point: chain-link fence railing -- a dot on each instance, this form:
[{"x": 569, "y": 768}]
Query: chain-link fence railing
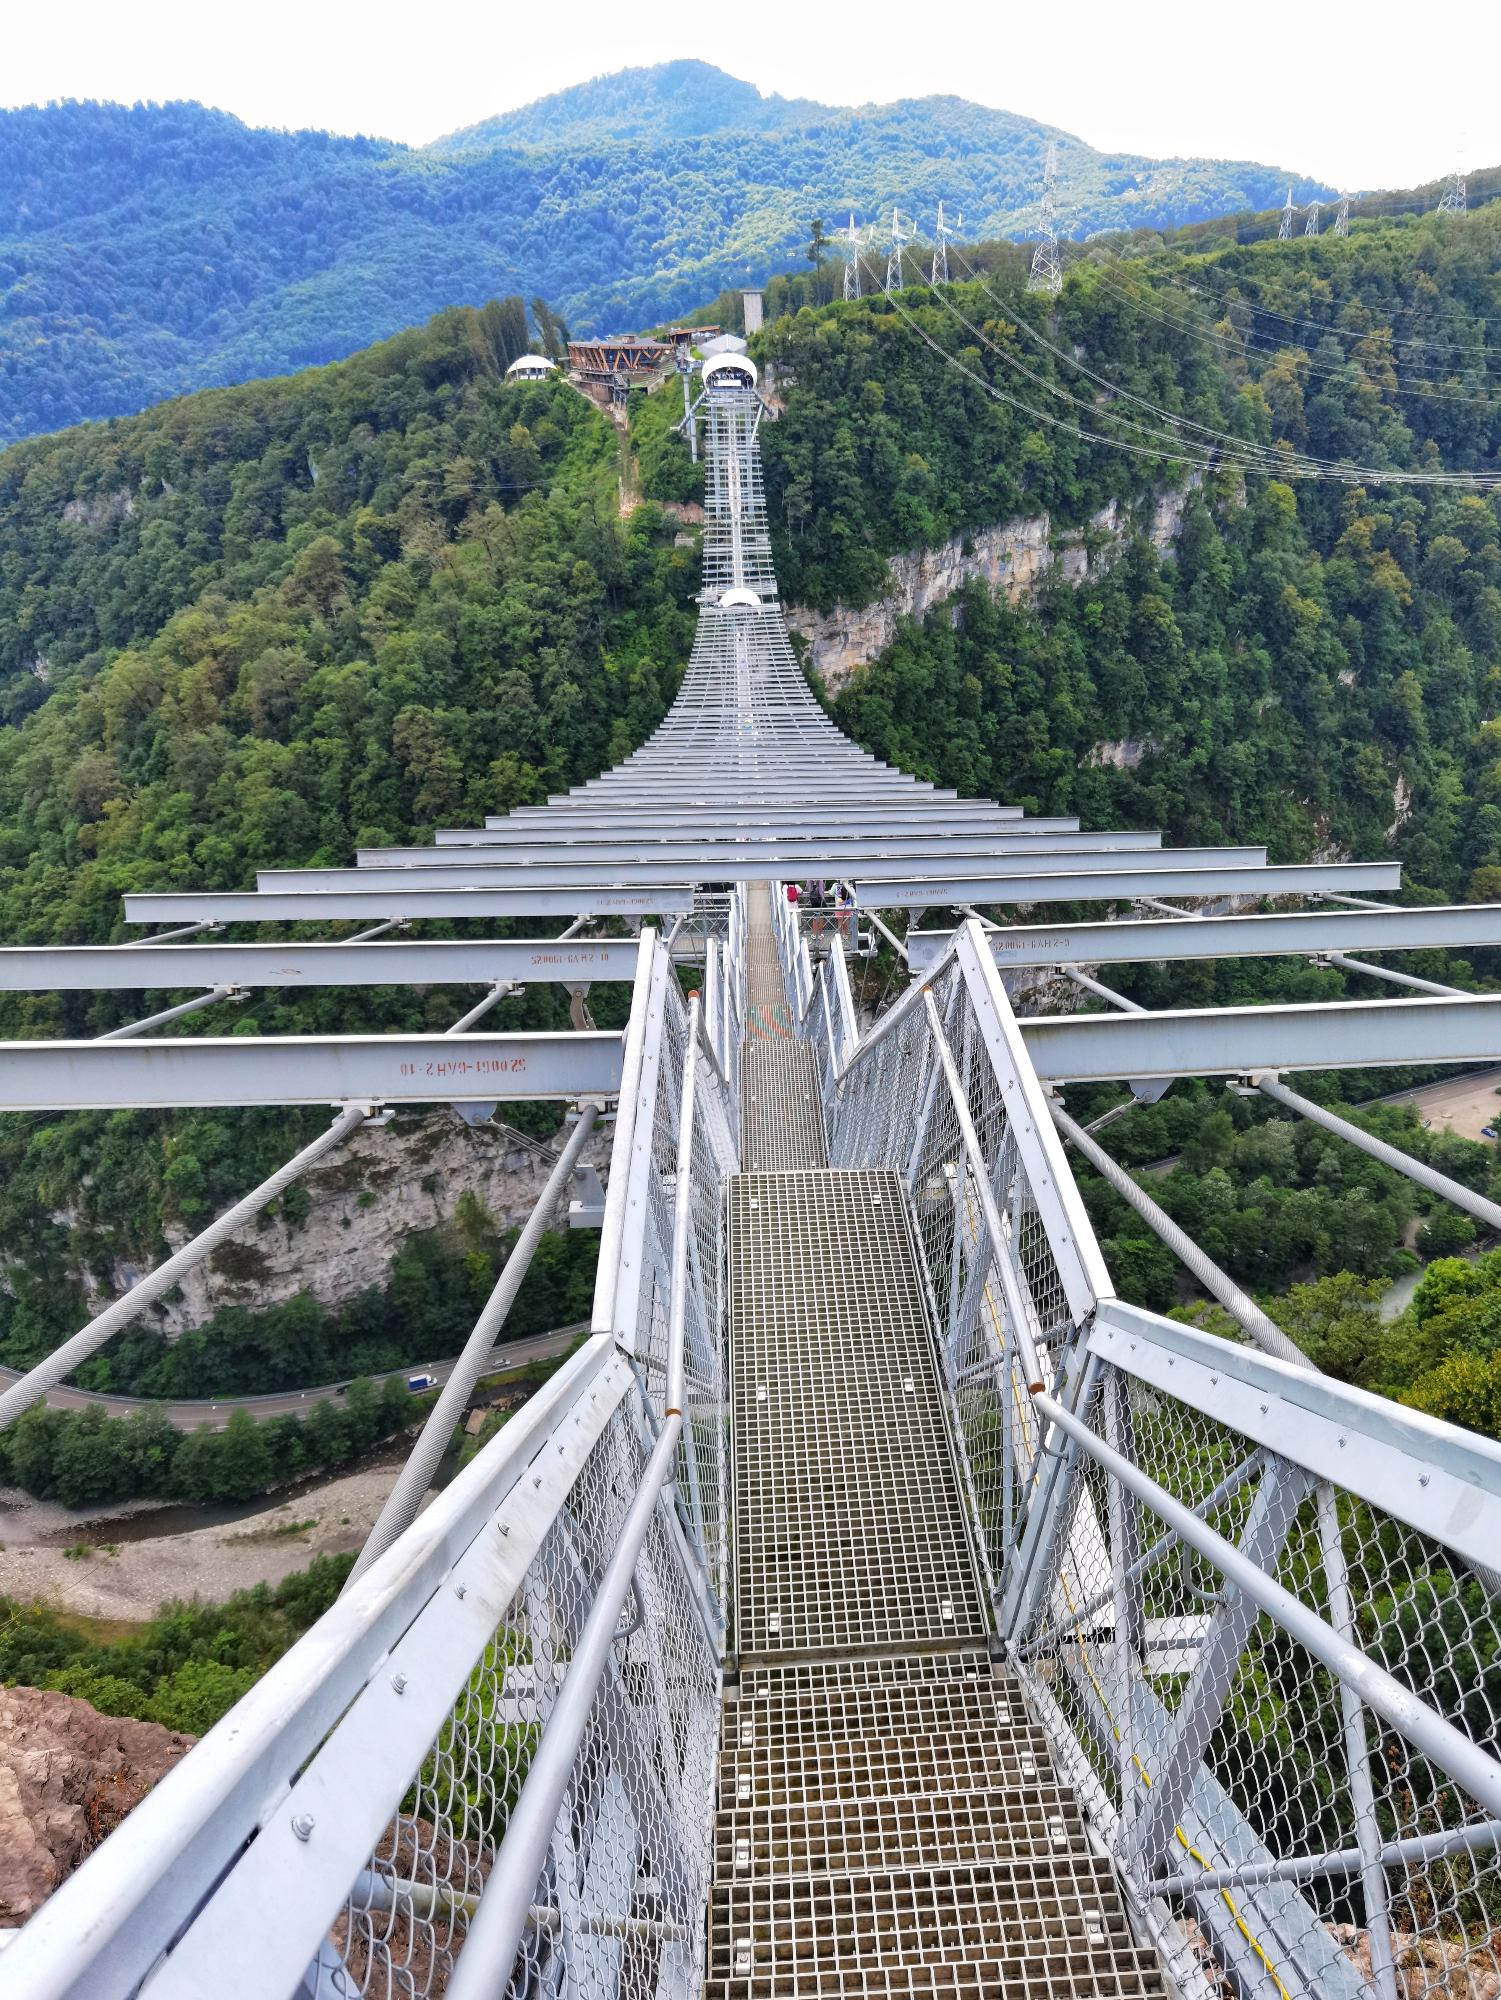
[{"x": 1278, "y": 1695}]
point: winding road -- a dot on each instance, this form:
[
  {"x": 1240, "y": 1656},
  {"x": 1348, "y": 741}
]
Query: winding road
[{"x": 196, "y": 1413}]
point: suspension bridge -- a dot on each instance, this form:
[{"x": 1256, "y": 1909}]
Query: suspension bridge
[{"x": 876, "y": 1603}]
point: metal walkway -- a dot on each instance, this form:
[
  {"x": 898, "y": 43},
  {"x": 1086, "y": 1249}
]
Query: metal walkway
[
  {"x": 889, "y": 1819},
  {"x": 783, "y": 1111}
]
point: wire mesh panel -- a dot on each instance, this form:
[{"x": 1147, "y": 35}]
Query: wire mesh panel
[
  {"x": 654, "y": 1188},
  {"x": 619, "y": 1906},
  {"x": 1307, "y": 1845},
  {"x": 935, "y": 1095}
]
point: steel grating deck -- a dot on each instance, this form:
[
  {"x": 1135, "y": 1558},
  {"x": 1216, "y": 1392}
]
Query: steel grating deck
[
  {"x": 889, "y": 1818},
  {"x": 783, "y": 1106}
]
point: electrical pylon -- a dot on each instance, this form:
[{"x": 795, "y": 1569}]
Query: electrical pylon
[
  {"x": 851, "y": 237},
  {"x": 1455, "y": 198},
  {"x": 939, "y": 273},
  {"x": 1311, "y": 226},
  {"x": 1285, "y": 226},
  {"x": 899, "y": 241},
  {"x": 1342, "y": 217},
  {"x": 1047, "y": 267}
]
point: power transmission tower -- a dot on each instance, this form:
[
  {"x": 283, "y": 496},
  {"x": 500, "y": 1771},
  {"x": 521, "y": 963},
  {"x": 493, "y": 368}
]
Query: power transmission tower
[
  {"x": 939, "y": 275},
  {"x": 1455, "y": 198},
  {"x": 1311, "y": 226},
  {"x": 899, "y": 241},
  {"x": 1342, "y": 216},
  {"x": 852, "y": 237},
  {"x": 1285, "y": 226},
  {"x": 1047, "y": 267}
]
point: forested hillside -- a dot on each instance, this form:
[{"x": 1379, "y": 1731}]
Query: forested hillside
[
  {"x": 1313, "y": 663},
  {"x": 151, "y": 249},
  {"x": 269, "y": 623}
]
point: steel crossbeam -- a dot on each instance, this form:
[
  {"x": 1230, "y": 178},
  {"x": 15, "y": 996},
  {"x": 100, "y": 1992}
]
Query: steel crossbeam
[
  {"x": 239, "y": 1070},
  {"x": 744, "y": 864},
  {"x": 1165, "y": 876},
  {"x": 714, "y": 829},
  {"x": 700, "y": 817},
  {"x": 1154, "y": 941},
  {"x": 297, "y": 906},
  {"x": 1239, "y": 1041},
  {"x": 92, "y": 968},
  {"x": 729, "y": 854}
]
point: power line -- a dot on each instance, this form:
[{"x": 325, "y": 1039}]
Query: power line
[
  {"x": 1266, "y": 461},
  {"x": 1228, "y": 447},
  {"x": 1425, "y": 388}
]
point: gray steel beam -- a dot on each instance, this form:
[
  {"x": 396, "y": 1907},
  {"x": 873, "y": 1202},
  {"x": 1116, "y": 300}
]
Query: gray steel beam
[
  {"x": 1308, "y": 932},
  {"x": 727, "y": 855},
  {"x": 735, "y": 816},
  {"x": 743, "y": 865},
  {"x": 318, "y": 906},
  {"x": 1238, "y": 1041},
  {"x": 312, "y": 1069},
  {"x": 1167, "y": 877},
  {"x": 89, "y": 968}
]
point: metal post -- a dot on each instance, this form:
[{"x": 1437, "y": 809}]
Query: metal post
[
  {"x": 1357, "y": 1755},
  {"x": 58, "y": 1365},
  {"x": 208, "y": 999},
  {"x": 1100, "y": 990},
  {"x": 1243, "y": 1309},
  {"x": 494, "y": 1936},
  {"x": 184, "y": 930},
  {"x": 612, "y": 1227},
  {"x": 1385, "y": 972},
  {"x": 478, "y": 1012},
  {"x": 1488, "y": 1212},
  {"x": 1000, "y": 1249},
  {"x": 416, "y": 1475}
]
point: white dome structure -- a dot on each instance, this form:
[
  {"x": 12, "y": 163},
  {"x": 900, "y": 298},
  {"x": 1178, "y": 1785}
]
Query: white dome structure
[
  {"x": 729, "y": 371},
  {"x": 530, "y": 368},
  {"x": 740, "y": 599}
]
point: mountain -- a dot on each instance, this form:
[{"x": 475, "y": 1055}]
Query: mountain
[{"x": 152, "y": 249}]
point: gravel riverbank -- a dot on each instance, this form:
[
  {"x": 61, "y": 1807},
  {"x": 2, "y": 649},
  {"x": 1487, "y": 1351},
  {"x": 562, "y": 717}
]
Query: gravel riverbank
[{"x": 207, "y": 1563}]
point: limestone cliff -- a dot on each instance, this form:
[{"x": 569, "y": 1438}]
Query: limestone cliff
[
  {"x": 1014, "y": 556},
  {"x": 383, "y": 1184}
]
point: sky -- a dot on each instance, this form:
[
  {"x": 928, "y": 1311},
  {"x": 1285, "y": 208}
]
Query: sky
[{"x": 1361, "y": 97}]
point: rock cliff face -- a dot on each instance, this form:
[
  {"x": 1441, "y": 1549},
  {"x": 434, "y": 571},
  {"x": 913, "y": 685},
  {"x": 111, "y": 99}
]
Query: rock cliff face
[
  {"x": 1014, "y": 556},
  {"x": 68, "y": 1776},
  {"x": 382, "y": 1185}
]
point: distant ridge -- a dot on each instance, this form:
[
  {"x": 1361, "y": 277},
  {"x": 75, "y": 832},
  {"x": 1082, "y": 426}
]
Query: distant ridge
[{"x": 151, "y": 249}]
